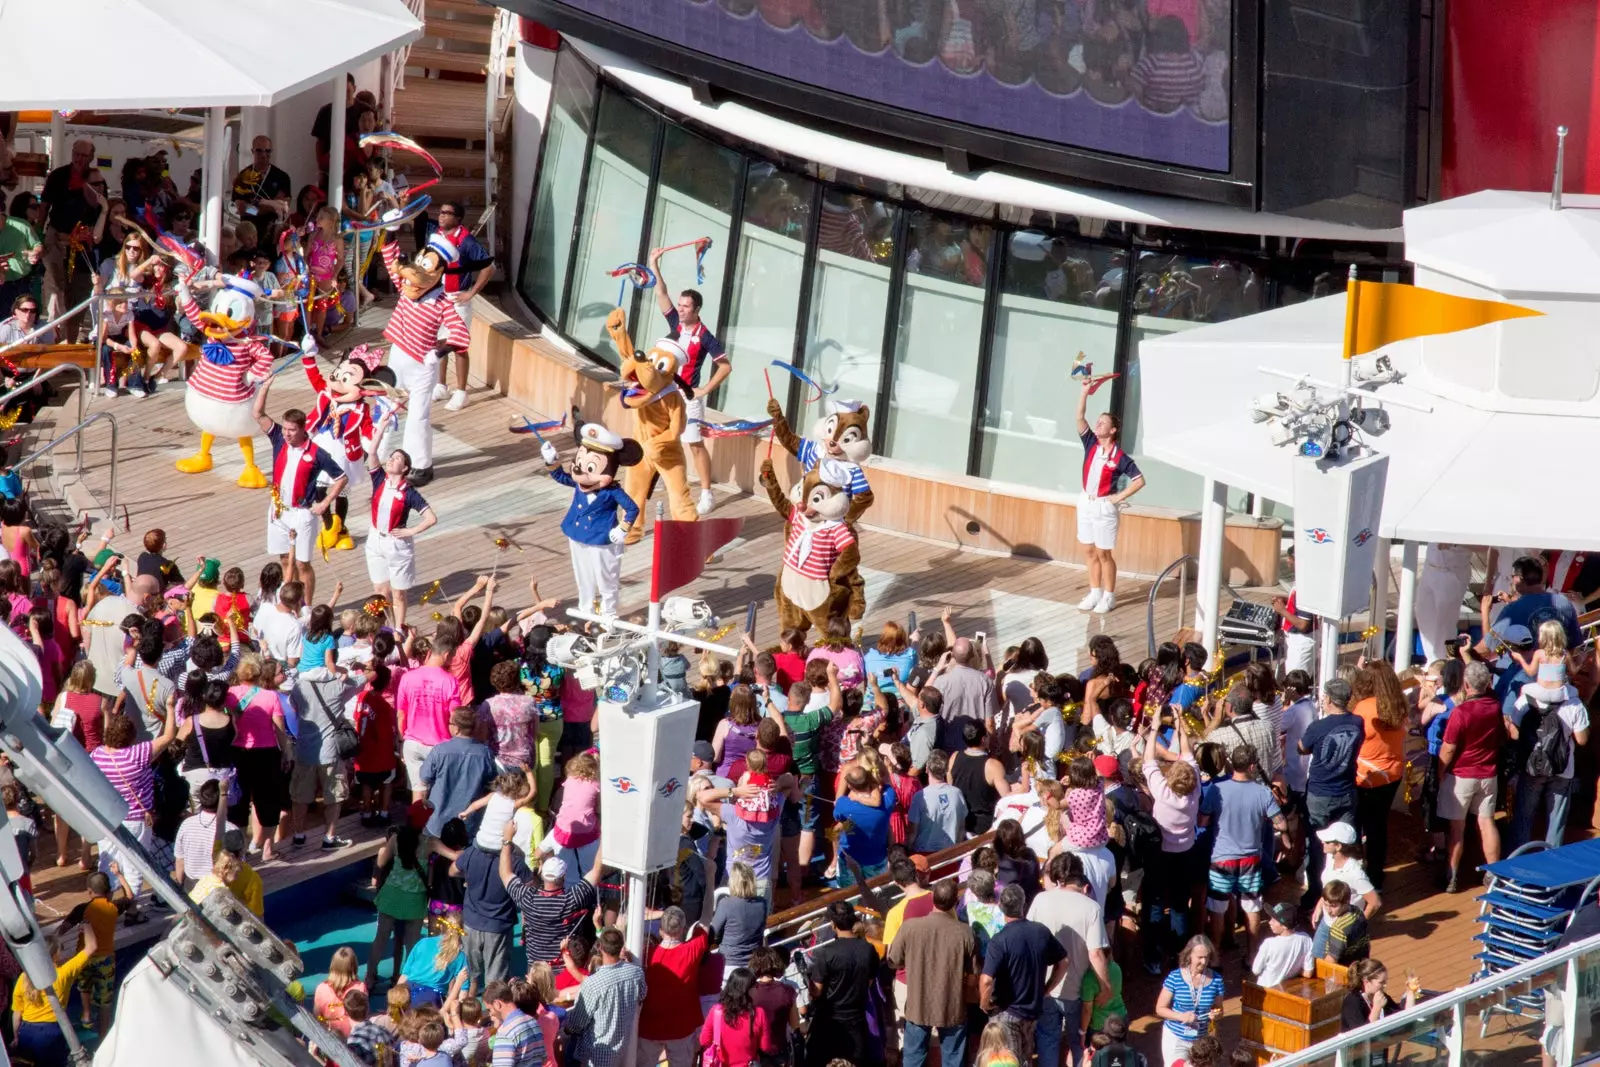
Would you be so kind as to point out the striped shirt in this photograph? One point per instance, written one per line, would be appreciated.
(804, 726)
(518, 1042)
(414, 327)
(810, 452)
(608, 1001)
(1187, 998)
(229, 384)
(814, 557)
(130, 773)
(350, 423)
(1165, 81)
(547, 918)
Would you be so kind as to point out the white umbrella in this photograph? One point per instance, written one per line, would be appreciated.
(130, 54)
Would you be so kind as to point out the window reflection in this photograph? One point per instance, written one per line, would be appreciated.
(1172, 293)
(766, 296)
(1058, 298)
(936, 346)
(613, 217)
(850, 293)
(544, 275)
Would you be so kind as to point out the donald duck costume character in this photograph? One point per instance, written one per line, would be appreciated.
(413, 333)
(591, 526)
(233, 361)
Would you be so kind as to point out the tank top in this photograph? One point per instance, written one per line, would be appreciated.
(91, 723)
(967, 775)
(736, 745)
(217, 744)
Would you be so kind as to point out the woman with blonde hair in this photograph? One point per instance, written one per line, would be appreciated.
(328, 999)
(436, 967)
(738, 925)
(1381, 705)
(1174, 790)
(542, 982)
(83, 711)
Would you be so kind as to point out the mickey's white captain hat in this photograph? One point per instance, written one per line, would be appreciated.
(445, 247)
(597, 438)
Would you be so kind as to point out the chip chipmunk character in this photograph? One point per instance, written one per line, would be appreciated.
(594, 535)
(656, 395)
(233, 362)
(820, 578)
(415, 345)
(843, 434)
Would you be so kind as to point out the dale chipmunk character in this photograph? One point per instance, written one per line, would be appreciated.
(657, 399)
(593, 533)
(842, 434)
(342, 423)
(820, 578)
(233, 362)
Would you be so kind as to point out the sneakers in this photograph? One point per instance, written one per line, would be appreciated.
(299, 840)
(1091, 601)
(110, 392)
(458, 400)
(706, 504)
(332, 844)
(1108, 600)
(439, 391)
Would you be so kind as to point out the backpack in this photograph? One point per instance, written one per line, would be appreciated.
(1143, 836)
(1548, 755)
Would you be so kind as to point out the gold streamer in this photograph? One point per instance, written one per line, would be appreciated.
(433, 591)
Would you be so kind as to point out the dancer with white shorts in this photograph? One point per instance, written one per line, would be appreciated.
(294, 514)
(391, 541)
(1105, 467)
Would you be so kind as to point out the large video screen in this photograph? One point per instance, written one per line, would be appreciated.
(1142, 78)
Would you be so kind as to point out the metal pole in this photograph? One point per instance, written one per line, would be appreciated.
(653, 660)
(1378, 611)
(1405, 612)
(59, 155)
(1328, 665)
(211, 181)
(1213, 517)
(635, 944)
(628, 627)
(336, 117)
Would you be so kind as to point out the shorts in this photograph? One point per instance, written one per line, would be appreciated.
(391, 561)
(295, 530)
(374, 779)
(692, 410)
(1097, 523)
(155, 321)
(1463, 797)
(789, 821)
(1229, 878)
(307, 778)
(98, 980)
(412, 753)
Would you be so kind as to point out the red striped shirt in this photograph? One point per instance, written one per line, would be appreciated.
(414, 327)
(826, 544)
(230, 384)
(350, 423)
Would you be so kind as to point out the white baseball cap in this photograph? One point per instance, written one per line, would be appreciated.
(1339, 833)
(553, 869)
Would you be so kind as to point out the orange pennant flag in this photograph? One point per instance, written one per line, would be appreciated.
(1381, 313)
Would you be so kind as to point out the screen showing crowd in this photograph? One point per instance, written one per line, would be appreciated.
(1142, 78)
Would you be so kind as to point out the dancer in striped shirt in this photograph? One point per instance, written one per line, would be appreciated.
(424, 311)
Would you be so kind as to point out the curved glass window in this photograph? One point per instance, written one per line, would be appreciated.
(549, 246)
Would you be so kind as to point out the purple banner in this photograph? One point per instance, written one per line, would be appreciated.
(1142, 78)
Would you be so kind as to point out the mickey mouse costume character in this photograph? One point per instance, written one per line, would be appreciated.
(1105, 466)
(413, 333)
(233, 362)
(593, 532)
(820, 578)
(842, 435)
(341, 423)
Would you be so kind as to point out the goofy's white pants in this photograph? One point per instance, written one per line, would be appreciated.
(417, 378)
(598, 570)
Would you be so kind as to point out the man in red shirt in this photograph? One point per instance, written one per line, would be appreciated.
(1469, 756)
(670, 1019)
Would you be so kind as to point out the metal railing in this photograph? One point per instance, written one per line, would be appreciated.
(43, 328)
(1181, 564)
(76, 431)
(40, 379)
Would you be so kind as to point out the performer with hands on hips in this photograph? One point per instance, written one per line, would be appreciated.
(700, 347)
(593, 532)
(294, 514)
(1105, 466)
(391, 543)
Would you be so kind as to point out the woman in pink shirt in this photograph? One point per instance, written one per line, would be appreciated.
(835, 647)
(1175, 792)
(453, 631)
(736, 1025)
(261, 743)
(423, 701)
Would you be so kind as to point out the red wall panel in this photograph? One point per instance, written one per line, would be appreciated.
(1513, 73)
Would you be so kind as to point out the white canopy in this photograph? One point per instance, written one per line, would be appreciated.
(1460, 473)
(128, 54)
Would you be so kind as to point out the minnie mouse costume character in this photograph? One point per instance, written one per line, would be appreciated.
(341, 423)
(591, 524)
(233, 362)
(413, 334)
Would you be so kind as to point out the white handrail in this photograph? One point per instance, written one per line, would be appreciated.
(111, 509)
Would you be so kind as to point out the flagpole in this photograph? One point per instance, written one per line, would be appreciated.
(1352, 301)
(653, 658)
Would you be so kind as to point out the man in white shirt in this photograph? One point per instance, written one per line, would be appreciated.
(279, 629)
(197, 836)
(1070, 912)
(1286, 953)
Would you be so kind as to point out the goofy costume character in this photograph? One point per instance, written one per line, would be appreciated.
(233, 361)
(415, 346)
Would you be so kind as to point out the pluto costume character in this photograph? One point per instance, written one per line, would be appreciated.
(657, 400)
(820, 578)
(843, 435)
(233, 361)
(342, 425)
(593, 532)
(413, 332)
